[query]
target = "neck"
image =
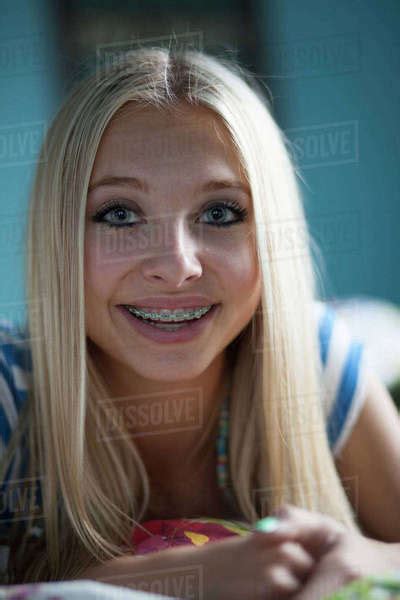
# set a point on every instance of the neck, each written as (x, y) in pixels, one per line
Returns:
(173, 424)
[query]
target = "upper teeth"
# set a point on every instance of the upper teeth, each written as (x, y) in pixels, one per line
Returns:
(164, 314)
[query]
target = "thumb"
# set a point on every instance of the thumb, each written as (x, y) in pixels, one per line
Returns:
(323, 582)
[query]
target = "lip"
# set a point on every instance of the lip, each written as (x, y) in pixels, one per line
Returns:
(185, 334)
(170, 302)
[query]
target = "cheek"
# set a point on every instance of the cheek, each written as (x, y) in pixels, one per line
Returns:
(102, 274)
(239, 271)
(240, 276)
(238, 260)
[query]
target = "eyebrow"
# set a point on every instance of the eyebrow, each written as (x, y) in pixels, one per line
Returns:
(210, 186)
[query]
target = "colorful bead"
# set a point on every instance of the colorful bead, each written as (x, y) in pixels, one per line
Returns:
(222, 454)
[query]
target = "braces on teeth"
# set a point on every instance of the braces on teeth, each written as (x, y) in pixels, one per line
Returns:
(170, 317)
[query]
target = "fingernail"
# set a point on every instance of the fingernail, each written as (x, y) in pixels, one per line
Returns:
(282, 511)
(268, 524)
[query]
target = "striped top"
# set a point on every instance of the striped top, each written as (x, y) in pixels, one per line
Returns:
(343, 372)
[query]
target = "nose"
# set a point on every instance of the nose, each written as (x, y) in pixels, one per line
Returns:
(174, 255)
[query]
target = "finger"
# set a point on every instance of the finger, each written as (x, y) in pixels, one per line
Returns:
(315, 537)
(280, 583)
(297, 559)
(272, 528)
(316, 532)
(321, 585)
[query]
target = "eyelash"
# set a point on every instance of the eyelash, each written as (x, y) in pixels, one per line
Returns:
(240, 212)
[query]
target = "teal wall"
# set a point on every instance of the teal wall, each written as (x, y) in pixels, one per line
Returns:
(333, 69)
(30, 89)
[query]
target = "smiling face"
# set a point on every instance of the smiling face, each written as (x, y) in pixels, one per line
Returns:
(166, 241)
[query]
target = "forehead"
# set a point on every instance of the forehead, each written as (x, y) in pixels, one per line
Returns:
(151, 138)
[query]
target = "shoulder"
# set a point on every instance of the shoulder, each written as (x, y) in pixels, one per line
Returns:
(15, 378)
(343, 372)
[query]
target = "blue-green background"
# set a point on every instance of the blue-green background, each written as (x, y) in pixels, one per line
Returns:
(333, 70)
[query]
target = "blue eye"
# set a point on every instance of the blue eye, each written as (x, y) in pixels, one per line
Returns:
(234, 207)
(216, 210)
(119, 211)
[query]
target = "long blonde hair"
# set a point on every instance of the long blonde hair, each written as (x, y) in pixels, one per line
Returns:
(93, 492)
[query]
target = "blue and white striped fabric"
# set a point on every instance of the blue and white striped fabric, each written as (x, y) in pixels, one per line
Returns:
(15, 380)
(343, 373)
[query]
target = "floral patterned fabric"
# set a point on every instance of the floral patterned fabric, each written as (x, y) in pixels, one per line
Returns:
(371, 588)
(74, 590)
(167, 533)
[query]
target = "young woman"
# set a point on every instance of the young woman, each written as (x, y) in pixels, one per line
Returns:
(164, 193)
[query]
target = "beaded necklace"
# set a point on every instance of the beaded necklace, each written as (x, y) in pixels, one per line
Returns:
(222, 451)
(222, 455)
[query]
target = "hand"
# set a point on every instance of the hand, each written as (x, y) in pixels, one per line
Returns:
(258, 566)
(342, 555)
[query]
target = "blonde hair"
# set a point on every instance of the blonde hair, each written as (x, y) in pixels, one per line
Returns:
(93, 492)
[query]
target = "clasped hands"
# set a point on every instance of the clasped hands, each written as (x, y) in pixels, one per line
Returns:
(339, 556)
